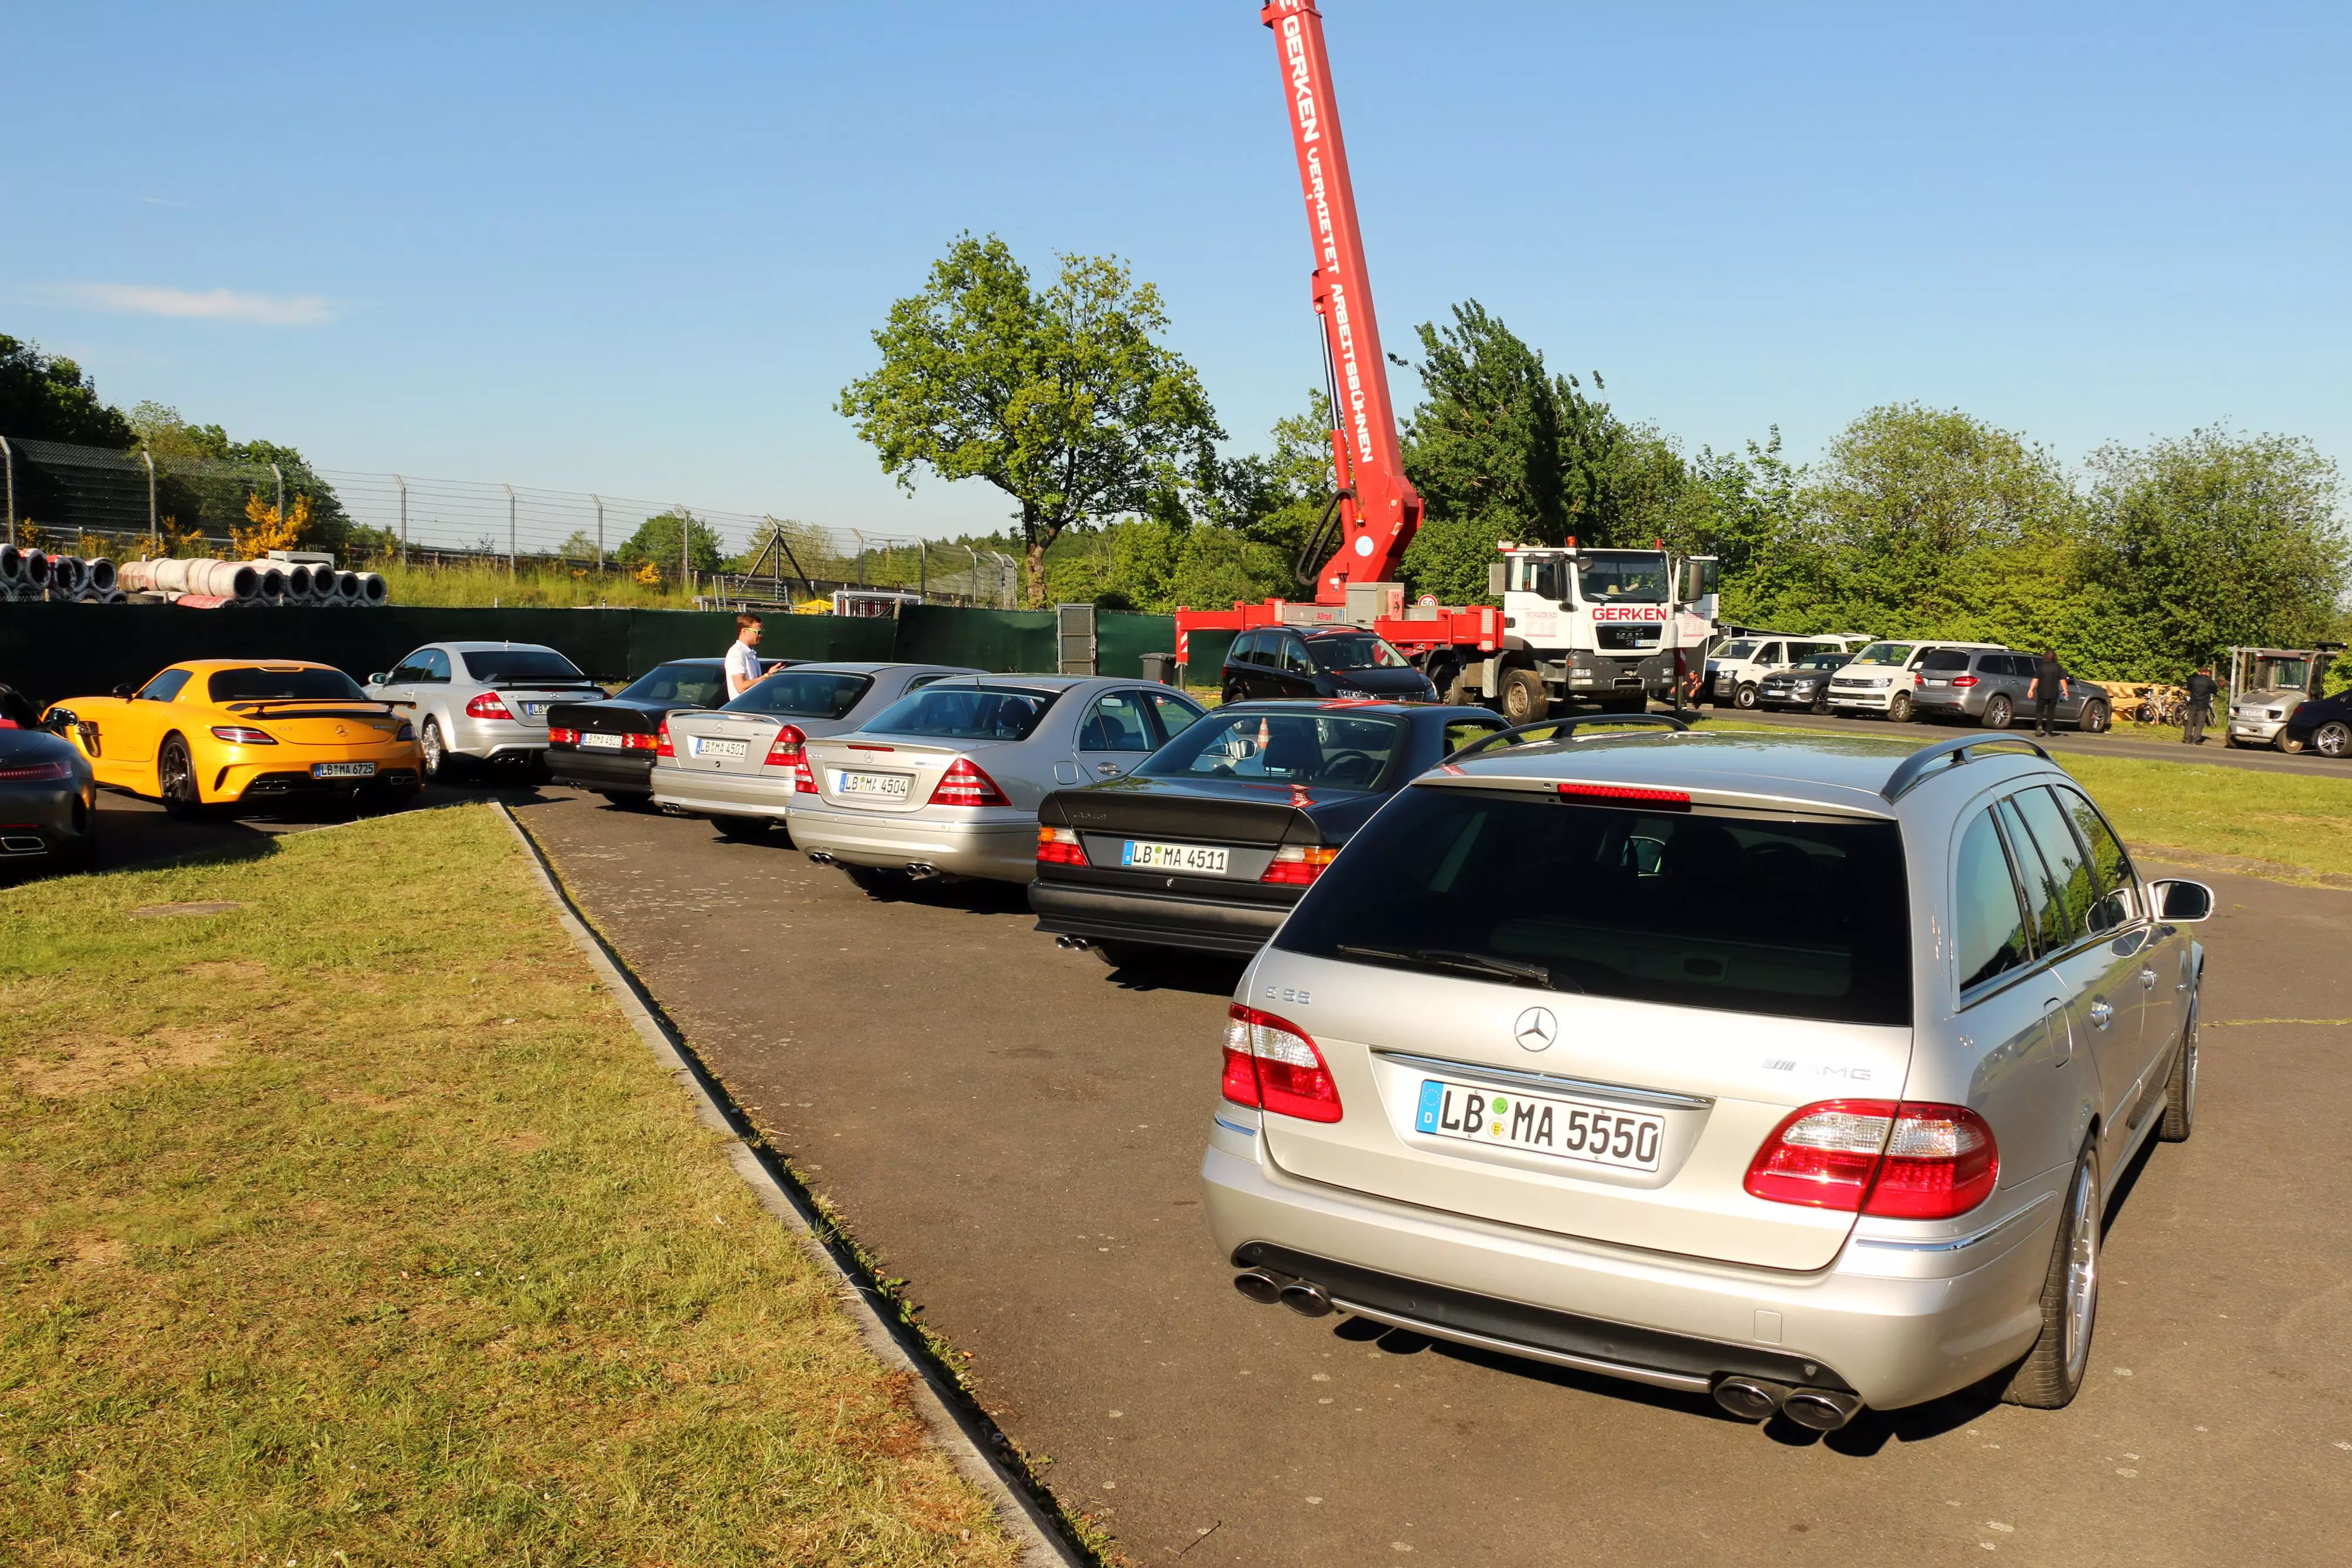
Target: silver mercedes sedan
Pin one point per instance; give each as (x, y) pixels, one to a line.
(948, 782)
(1790, 1069)
(739, 764)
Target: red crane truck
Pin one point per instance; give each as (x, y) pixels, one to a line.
(1613, 627)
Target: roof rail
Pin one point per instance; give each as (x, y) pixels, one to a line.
(1915, 767)
(1667, 719)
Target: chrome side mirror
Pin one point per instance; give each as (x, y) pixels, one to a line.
(377, 679)
(2182, 902)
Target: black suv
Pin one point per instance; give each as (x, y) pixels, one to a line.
(1320, 661)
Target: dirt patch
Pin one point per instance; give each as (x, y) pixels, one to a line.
(246, 971)
(522, 1143)
(91, 1251)
(94, 1066)
(160, 911)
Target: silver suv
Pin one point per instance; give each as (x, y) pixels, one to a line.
(1790, 1069)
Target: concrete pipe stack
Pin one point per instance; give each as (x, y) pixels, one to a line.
(204, 582)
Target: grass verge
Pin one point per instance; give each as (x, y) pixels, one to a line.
(484, 583)
(352, 1225)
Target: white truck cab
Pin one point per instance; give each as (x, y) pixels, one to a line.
(1599, 626)
(1741, 658)
(1883, 678)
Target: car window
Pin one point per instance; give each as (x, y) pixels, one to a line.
(1771, 654)
(803, 694)
(2110, 866)
(1987, 920)
(966, 713)
(1176, 714)
(261, 683)
(1361, 651)
(426, 665)
(1943, 660)
(1251, 649)
(164, 688)
(2064, 855)
(928, 677)
(1742, 648)
(1313, 751)
(505, 666)
(1794, 919)
(2042, 902)
(695, 684)
(1293, 656)
(1116, 723)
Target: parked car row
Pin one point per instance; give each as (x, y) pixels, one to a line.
(1948, 682)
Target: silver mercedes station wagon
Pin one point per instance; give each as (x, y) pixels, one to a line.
(1787, 1069)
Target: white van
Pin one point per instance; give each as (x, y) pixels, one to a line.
(1883, 679)
(1737, 663)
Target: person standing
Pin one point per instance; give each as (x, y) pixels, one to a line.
(742, 656)
(2198, 712)
(2049, 686)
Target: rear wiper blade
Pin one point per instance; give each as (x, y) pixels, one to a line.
(1472, 963)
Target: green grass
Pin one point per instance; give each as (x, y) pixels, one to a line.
(353, 1226)
(483, 583)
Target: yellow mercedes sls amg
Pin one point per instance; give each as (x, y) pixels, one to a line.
(241, 732)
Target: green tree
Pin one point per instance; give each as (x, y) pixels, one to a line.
(1065, 399)
(201, 499)
(657, 542)
(43, 397)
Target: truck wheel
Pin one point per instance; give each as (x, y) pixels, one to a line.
(1747, 696)
(2333, 739)
(1452, 685)
(1998, 712)
(1522, 698)
(1899, 708)
(2051, 1372)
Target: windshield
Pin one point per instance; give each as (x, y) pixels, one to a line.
(259, 685)
(1789, 918)
(803, 694)
(696, 685)
(2282, 675)
(1884, 653)
(1313, 751)
(513, 666)
(966, 713)
(1625, 577)
(1743, 649)
(1823, 661)
(1361, 652)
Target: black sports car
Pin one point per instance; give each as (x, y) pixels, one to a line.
(1319, 662)
(2323, 724)
(607, 745)
(1212, 838)
(48, 802)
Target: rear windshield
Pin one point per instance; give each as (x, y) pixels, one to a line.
(258, 684)
(1364, 652)
(1943, 659)
(1794, 919)
(804, 694)
(1317, 750)
(966, 713)
(696, 685)
(511, 667)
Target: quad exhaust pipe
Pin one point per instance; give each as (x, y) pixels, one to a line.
(921, 869)
(820, 857)
(1079, 945)
(1760, 1398)
(1266, 1286)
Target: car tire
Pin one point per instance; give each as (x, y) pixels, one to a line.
(175, 781)
(2288, 744)
(2180, 1088)
(1746, 697)
(2095, 718)
(2053, 1371)
(1232, 694)
(1521, 699)
(439, 766)
(742, 829)
(2333, 739)
(1899, 708)
(1999, 712)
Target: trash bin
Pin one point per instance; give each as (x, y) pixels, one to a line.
(1160, 667)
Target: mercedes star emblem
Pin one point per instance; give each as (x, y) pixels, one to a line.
(1536, 1029)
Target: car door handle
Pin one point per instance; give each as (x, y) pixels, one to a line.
(2103, 1012)
(1106, 767)
(2147, 980)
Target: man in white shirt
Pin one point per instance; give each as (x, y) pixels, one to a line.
(742, 656)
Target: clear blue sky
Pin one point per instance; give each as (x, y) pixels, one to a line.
(640, 249)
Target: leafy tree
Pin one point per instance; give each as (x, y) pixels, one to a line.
(656, 544)
(1064, 399)
(45, 397)
(202, 498)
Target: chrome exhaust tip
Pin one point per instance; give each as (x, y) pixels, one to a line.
(1262, 1286)
(1079, 945)
(1750, 1398)
(1305, 1298)
(1822, 1409)
(820, 857)
(920, 870)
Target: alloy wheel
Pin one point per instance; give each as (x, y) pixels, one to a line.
(2334, 739)
(2082, 1272)
(176, 778)
(435, 755)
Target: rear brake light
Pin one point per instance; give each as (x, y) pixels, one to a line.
(487, 706)
(243, 735)
(785, 752)
(1299, 865)
(562, 737)
(638, 740)
(1676, 799)
(1897, 1161)
(1060, 846)
(1964, 680)
(662, 747)
(34, 772)
(1271, 1065)
(964, 784)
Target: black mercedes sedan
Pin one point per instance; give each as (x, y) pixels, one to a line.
(49, 799)
(1319, 662)
(1211, 839)
(607, 745)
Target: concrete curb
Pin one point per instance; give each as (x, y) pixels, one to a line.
(963, 1432)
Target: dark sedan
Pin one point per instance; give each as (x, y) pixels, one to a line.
(49, 800)
(607, 745)
(2323, 724)
(1319, 662)
(1211, 839)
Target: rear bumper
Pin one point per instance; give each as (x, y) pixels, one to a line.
(38, 820)
(1862, 702)
(720, 794)
(491, 738)
(1951, 704)
(285, 784)
(600, 770)
(1164, 919)
(2256, 731)
(999, 850)
(1895, 1323)
(256, 774)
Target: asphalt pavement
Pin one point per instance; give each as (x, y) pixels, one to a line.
(1016, 1130)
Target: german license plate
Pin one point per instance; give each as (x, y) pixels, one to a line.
(1566, 1129)
(889, 785)
(1196, 859)
(342, 771)
(589, 737)
(534, 710)
(704, 746)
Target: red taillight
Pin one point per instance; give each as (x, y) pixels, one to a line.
(35, 772)
(1627, 795)
(1271, 1064)
(243, 735)
(784, 751)
(1898, 1161)
(1964, 680)
(562, 737)
(1060, 846)
(963, 784)
(638, 740)
(1299, 865)
(662, 747)
(487, 706)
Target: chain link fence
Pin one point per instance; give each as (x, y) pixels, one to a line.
(93, 501)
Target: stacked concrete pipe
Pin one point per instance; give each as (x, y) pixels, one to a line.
(375, 591)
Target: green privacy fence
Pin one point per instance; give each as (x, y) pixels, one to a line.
(53, 650)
